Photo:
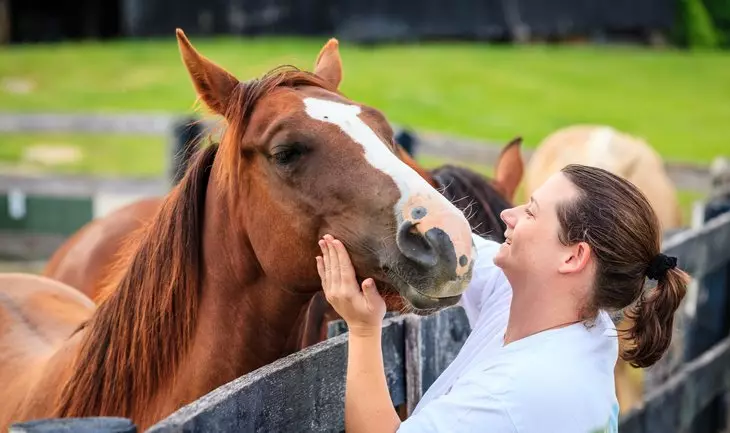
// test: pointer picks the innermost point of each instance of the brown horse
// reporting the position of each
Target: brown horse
(84, 261)
(86, 258)
(227, 261)
(480, 198)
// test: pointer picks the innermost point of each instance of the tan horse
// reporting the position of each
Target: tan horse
(618, 152)
(626, 156)
(215, 287)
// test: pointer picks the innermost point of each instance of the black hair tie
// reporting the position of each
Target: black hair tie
(659, 266)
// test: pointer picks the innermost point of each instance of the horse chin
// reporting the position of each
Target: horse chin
(403, 297)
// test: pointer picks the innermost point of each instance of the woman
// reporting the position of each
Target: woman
(541, 354)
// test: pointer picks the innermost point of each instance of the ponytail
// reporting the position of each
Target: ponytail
(653, 319)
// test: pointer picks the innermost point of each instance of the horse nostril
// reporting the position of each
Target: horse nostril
(415, 246)
(418, 212)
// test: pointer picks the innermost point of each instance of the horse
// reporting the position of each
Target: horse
(480, 198)
(616, 151)
(85, 259)
(631, 158)
(227, 261)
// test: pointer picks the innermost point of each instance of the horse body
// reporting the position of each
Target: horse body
(226, 263)
(612, 150)
(37, 315)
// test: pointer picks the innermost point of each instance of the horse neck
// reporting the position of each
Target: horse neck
(245, 318)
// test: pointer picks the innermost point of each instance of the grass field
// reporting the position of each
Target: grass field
(680, 101)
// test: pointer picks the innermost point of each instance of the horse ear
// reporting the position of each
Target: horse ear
(510, 167)
(213, 84)
(328, 65)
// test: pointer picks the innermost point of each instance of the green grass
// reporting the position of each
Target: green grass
(679, 101)
(134, 156)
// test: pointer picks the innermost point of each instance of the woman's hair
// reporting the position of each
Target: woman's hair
(616, 220)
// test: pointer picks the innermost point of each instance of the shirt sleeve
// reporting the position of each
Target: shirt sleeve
(467, 408)
(488, 284)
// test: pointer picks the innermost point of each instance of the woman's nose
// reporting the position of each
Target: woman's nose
(507, 216)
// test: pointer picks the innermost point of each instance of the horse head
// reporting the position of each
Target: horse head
(299, 160)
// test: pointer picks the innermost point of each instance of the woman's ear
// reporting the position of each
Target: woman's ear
(575, 258)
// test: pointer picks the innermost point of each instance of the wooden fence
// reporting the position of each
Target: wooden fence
(305, 391)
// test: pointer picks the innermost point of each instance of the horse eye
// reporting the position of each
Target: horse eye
(288, 156)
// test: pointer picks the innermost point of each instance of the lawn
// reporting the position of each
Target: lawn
(679, 101)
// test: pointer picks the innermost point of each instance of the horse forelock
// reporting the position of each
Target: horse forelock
(475, 195)
(142, 329)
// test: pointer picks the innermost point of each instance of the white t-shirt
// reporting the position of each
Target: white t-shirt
(559, 380)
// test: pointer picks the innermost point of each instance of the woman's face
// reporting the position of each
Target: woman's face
(532, 248)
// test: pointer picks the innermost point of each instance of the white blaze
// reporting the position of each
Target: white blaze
(377, 153)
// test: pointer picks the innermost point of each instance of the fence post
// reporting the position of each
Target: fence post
(711, 324)
(76, 425)
(432, 343)
(185, 134)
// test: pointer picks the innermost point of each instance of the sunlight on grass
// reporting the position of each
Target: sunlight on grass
(677, 100)
(114, 155)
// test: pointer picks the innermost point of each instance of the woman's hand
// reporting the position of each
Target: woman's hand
(362, 310)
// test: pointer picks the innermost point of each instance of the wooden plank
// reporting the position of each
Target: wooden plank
(142, 124)
(43, 214)
(432, 343)
(27, 247)
(302, 392)
(76, 425)
(702, 250)
(4, 22)
(672, 406)
(339, 327)
(81, 186)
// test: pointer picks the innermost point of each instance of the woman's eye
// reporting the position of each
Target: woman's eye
(527, 211)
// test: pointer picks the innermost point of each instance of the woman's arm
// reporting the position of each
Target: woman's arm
(368, 407)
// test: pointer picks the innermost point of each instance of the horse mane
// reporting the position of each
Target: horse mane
(145, 323)
(476, 196)
(140, 332)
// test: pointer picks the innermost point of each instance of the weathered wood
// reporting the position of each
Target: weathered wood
(76, 425)
(4, 22)
(28, 247)
(339, 327)
(703, 250)
(302, 392)
(700, 251)
(80, 186)
(432, 343)
(141, 124)
(709, 325)
(673, 406)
